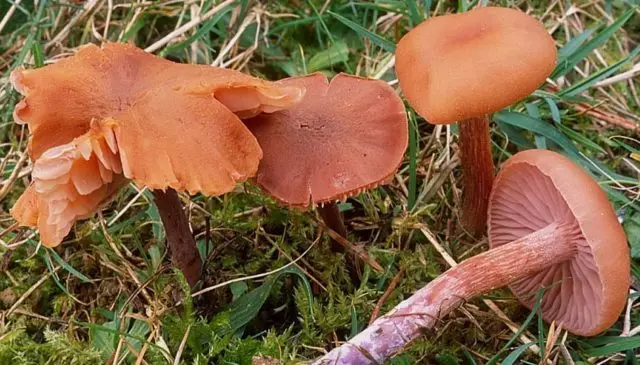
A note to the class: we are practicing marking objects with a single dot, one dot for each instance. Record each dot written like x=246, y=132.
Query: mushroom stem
x=490, y=270
x=331, y=216
x=184, y=252
x=477, y=172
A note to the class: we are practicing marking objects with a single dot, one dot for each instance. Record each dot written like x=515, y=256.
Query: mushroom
x=550, y=226
x=114, y=113
x=344, y=137
x=463, y=67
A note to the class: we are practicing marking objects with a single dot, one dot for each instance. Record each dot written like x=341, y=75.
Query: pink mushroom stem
x=477, y=172
x=184, y=252
x=482, y=273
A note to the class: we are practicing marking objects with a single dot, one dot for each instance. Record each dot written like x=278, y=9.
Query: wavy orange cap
x=114, y=113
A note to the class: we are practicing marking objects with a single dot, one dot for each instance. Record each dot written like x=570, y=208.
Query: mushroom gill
x=71, y=182
x=528, y=200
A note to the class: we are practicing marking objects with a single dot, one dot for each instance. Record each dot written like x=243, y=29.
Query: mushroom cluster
x=115, y=113
x=551, y=228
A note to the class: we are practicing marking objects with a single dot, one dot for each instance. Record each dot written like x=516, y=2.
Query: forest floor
x=276, y=290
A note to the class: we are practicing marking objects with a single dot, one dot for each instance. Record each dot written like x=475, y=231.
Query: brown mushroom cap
x=537, y=187
x=467, y=65
x=345, y=136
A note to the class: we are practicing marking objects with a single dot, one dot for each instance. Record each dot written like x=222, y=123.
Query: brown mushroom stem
x=331, y=216
x=184, y=252
x=490, y=270
x=477, y=173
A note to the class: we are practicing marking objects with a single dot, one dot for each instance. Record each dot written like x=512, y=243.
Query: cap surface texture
x=466, y=65
x=345, y=136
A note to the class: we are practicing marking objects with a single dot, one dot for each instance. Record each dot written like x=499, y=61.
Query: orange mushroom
x=463, y=67
x=114, y=113
x=345, y=136
x=550, y=227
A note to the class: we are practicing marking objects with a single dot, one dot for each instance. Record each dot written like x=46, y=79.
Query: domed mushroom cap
x=536, y=188
x=467, y=65
x=344, y=137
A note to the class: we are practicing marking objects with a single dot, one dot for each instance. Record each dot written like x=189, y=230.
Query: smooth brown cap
x=344, y=137
x=538, y=187
x=467, y=65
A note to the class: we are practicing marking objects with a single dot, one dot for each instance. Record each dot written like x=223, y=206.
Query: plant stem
x=477, y=275
x=477, y=172
x=184, y=252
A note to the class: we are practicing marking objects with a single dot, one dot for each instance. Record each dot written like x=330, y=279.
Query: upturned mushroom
x=111, y=114
x=463, y=67
x=344, y=137
x=550, y=226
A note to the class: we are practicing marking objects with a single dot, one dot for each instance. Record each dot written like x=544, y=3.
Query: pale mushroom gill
x=70, y=182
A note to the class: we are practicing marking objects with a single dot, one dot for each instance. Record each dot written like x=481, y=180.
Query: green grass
x=92, y=301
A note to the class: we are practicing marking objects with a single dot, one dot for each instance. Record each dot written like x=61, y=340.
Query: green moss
x=18, y=348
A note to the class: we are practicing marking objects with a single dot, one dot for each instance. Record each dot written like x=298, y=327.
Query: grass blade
x=337, y=53
x=539, y=127
x=373, y=37
x=582, y=52
x=515, y=354
x=65, y=265
x=541, y=336
x=616, y=344
x=355, y=326
x=243, y=310
x=522, y=328
x=555, y=112
x=579, y=138
x=574, y=45
x=514, y=136
x=597, y=76
x=31, y=38
x=415, y=16
x=413, y=151
x=199, y=34
x=463, y=5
